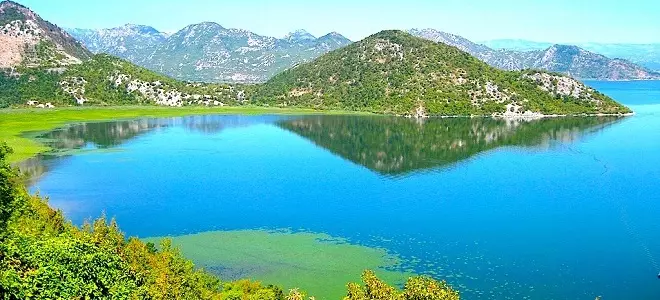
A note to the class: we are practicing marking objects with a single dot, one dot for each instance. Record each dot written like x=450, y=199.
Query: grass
x=318, y=263
x=16, y=123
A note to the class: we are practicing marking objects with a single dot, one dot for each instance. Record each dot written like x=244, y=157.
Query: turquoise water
x=551, y=209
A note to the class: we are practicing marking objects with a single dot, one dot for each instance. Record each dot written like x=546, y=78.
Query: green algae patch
x=319, y=264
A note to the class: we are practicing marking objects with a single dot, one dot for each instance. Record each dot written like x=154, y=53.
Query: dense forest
x=396, y=73
x=43, y=256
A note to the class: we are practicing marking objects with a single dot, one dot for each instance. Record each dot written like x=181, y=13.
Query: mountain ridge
x=567, y=59
x=647, y=55
x=209, y=52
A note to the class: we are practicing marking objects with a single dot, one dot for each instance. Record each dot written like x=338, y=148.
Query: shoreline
x=17, y=125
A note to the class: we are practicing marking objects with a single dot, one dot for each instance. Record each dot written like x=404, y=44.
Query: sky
x=557, y=21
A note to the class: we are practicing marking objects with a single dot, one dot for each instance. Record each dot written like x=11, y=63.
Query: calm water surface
x=552, y=209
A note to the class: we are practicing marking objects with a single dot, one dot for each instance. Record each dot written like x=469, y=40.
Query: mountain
x=299, y=36
x=569, y=60
x=208, y=52
x=394, y=72
x=580, y=63
x=647, y=55
x=28, y=40
x=44, y=66
x=131, y=42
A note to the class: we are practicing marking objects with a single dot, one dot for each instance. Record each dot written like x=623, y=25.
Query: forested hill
x=394, y=72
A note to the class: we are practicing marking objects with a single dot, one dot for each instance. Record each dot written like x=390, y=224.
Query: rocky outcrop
x=27, y=39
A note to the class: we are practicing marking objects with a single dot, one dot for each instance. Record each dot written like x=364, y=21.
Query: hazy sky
x=562, y=21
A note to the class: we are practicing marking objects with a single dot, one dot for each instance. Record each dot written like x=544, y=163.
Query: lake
x=563, y=208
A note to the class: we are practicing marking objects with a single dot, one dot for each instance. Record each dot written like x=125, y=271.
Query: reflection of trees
x=102, y=135
x=397, y=146
x=112, y=134
x=33, y=168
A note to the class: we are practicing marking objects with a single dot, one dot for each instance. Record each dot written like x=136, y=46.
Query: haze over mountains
x=566, y=59
x=209, y=52
x=647, y=55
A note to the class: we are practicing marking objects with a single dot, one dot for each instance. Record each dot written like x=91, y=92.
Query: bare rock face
x=27, y=39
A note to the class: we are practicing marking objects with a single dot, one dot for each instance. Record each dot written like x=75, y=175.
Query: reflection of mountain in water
x=112, y=134
x=105, y=135
x=100, y=135
x=396, y=146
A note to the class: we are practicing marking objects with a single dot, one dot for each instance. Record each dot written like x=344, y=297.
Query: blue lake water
x=552, y=209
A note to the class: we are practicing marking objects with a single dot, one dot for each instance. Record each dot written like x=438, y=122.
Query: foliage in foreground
x=417, y=288
x=42, y=256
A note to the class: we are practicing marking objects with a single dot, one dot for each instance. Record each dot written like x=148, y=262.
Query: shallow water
x=552, y=209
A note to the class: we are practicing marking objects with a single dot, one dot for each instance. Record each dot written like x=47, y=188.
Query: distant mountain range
x=565, y=59
x=647, y=55
x=208, y=52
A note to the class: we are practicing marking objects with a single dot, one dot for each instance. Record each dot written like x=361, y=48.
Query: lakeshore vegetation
x=17, y=126
x=42, y=255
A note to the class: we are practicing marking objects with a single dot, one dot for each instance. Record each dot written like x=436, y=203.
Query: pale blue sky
x=561, y=21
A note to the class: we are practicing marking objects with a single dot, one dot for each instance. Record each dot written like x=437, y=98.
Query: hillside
x=28, y=40
x=107, y=80
x=208, y=52
x=42, y=65
x=565, y=59
x=397, y=73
